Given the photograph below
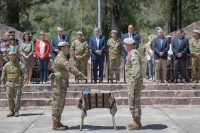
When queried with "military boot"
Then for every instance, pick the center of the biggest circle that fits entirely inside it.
(12, 113)
(57, 126)
(60, 124)
(135, 125)
(17, 114)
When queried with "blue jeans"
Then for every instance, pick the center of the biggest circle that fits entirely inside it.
(43, 69)
(150, 68)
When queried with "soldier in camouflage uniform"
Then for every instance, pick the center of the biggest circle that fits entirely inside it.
(134, 82)
(114, 50)
(12, 78)
(79, 51)
(194, 46)
(59, 82)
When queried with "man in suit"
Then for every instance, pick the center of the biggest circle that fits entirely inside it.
(180, 50)
(133, 35)
(97, 45)
(160, 48)
(54, 42)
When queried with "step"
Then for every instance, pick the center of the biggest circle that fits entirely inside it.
(104, 86)
(120, 101)
(120, 93)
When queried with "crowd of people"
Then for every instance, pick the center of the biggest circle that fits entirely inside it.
(170, 58)
(160, 53)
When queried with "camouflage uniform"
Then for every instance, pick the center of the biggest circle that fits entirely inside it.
(194, 46)
(12, 78)
(59, 82)
(80, 49)
(114, 49)
(134, 82)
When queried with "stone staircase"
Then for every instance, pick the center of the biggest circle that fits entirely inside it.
(152, 94)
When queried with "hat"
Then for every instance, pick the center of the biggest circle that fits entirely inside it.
(168, 36)
(12, 32)
(79, 33)
(113, 31)
(63, 43)
(42, 33)
(129, 41)
(11, 53)
(197, 31)
(59, 29)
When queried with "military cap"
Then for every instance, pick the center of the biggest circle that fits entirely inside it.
(59, 29)
(129, 41)
(42, 33)
(113, 31)
(79, 33)
(12, 33)
(63, 43)
(197, 31)
(168, 36)
(11, 53)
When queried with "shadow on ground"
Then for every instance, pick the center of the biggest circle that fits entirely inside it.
(31, 114)
(155, 127)
(90, 127)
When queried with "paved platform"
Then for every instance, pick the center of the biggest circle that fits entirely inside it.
(155, 119)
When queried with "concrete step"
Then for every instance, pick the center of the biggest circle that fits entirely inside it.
(120, 93)
(112, 87)
(120, 101)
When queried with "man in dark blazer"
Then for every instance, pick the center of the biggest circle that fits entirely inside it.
(97, 45)
(160, 48)
(180, 50)
(54, 42)
(133, 35)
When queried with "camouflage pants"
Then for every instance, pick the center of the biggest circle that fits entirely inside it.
(81, 66)
(196, 69)
(58, 102)
(114, 65)
(14, 96)
(134, 100)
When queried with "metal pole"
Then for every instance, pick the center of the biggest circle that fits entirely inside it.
(99, 14)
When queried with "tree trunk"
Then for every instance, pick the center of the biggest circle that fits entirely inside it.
(12, 16)
(179, 12)
(175, 15)
(115, 12)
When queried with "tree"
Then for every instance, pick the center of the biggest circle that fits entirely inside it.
(11, 10)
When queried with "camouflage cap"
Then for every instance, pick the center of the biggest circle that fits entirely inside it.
(42, 33)
(79, 33)
(59, 29)
(113, 31)
(63, 43)
(128, 41)
(12, 33)
(196, 31)
(11, 53)
(168, 36)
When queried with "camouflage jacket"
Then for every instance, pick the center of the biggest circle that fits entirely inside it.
(62, 68)
(12, 73)
(114, 48)
(133, 67)
(194, 46)
(80, 49)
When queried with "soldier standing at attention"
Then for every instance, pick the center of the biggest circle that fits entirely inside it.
(134, 82)
(59, 82)
(194, 46)
(12, 78)
(79, 51)
(114, 49)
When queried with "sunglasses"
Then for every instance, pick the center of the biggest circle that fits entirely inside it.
(11, 39)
